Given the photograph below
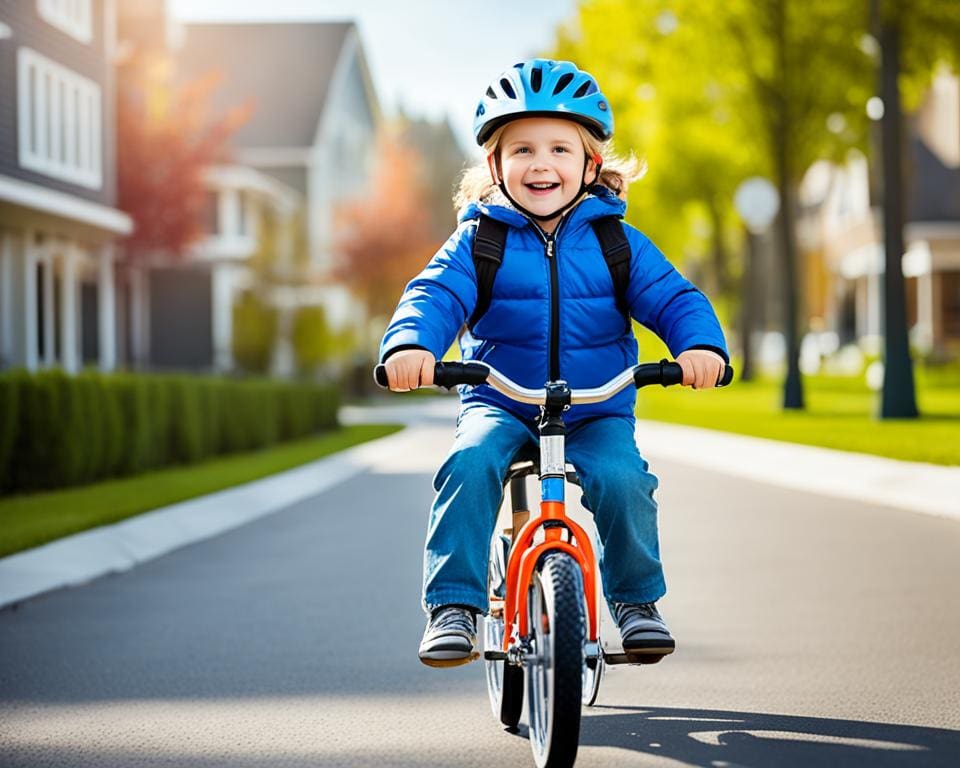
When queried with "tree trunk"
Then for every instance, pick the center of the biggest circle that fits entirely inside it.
(748, 309)
(793, 385)
(898, 398)
(719, 250)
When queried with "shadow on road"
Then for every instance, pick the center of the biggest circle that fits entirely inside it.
(750, 740)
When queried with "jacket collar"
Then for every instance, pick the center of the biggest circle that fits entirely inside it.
(599, 201)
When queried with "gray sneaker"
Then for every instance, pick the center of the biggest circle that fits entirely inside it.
(645, 636)
(450, 638)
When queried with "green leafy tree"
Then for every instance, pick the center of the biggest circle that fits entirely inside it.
(731, 89)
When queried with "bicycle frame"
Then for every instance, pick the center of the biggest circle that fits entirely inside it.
(553, 521)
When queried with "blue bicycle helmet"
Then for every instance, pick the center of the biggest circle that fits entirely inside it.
(543, 88)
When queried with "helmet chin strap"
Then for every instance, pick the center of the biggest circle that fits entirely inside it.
(560, 211)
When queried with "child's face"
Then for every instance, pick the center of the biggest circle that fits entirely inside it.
(542, 164)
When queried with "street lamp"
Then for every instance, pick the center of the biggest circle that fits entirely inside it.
(757, 202)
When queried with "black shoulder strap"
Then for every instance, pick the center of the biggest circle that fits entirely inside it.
(616, 252)
(488, 248)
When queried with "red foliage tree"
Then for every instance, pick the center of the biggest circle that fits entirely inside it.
(387, 235)
(166, 136)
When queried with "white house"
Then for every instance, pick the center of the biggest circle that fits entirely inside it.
(308, 145)
(58, 220)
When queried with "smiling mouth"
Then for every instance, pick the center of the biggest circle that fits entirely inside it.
(542, 186)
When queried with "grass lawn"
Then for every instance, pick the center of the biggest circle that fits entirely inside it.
(840, 414)
(29, 520)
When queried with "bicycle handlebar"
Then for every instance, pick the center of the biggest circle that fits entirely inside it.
(449, 375)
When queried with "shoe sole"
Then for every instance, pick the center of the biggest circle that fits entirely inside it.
(450, 662)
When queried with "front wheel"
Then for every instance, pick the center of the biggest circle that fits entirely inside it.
(555, 664)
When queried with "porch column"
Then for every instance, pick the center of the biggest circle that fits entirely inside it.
(69, 309)
(222, 320)
(31, 336)
(139, 317)
(106, 310)
(925, 308)
(6, 300)
(49, 306)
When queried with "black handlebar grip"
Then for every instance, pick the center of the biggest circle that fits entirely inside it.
(444, 374)
(451, 374)
(667, 374)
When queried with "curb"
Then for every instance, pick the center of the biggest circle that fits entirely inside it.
(79, 558)
(907, 485)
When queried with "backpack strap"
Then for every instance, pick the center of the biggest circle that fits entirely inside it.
(617, 254)
(488, 248)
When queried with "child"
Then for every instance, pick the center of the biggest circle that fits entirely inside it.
(545, 128)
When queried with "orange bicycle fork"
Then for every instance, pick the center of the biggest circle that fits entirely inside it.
(553, 521)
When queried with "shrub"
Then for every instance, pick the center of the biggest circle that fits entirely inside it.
(59, 430)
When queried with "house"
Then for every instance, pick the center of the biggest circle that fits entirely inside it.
(308, 145)
(58, 217)
(842, 236)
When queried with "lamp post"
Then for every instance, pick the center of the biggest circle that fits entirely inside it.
(757, 203)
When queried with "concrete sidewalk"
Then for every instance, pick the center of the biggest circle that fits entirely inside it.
(76, 559)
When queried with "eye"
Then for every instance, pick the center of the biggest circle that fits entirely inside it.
(521, 150)
(559, 148)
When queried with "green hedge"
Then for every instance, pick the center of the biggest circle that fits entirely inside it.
(58, 430)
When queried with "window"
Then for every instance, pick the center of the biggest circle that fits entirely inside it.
(59, 121)
(71, 16)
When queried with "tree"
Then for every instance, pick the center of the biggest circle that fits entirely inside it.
(759, 77)
(387, 236)
(166, 136)
(254, 331)
(913, 37)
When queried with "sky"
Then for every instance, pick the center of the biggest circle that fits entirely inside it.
(433, 57)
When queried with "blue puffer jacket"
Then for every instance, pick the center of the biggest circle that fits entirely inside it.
(592, 342)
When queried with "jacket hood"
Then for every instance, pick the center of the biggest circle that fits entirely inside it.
(599, 201)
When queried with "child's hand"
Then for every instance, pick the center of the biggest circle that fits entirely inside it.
(702, 368)
(409, 369)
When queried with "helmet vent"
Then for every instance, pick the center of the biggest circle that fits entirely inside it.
(507, 88)
(562, 83)
(491, 94)
(536, 79)
(584, 89)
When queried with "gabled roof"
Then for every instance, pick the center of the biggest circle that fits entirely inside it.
(284, 69)
(933, 188)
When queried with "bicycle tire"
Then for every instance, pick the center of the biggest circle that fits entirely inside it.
(591, 681)
(504, 681)
(555, 669)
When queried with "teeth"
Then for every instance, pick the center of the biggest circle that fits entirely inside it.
(543, 185)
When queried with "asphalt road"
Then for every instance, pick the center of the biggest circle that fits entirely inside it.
(810, 631)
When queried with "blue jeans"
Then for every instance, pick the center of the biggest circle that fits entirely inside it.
(617, 488)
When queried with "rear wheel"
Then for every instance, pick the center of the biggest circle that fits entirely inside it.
(504, 681)
(592, 674)
(556, 662)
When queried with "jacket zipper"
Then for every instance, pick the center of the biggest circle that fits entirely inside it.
(554, 310)
(549, 242)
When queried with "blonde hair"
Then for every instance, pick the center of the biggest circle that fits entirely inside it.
(616, 174)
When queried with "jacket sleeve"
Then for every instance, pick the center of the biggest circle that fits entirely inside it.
(667, 303)
(437, 302)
